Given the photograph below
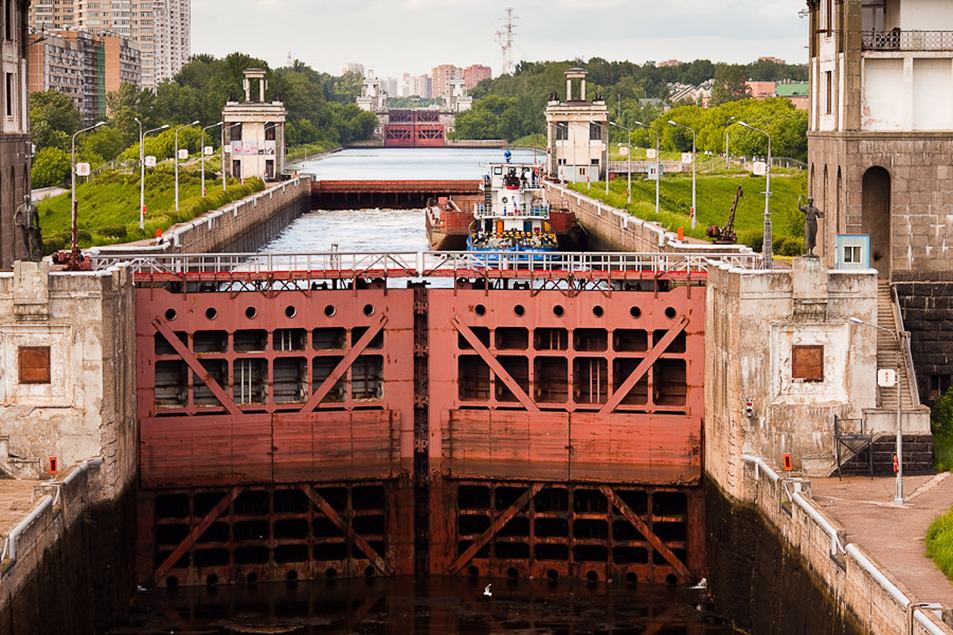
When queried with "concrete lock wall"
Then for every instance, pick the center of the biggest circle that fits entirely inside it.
(611, 229)
(82, 323)
(862, 596)
(750, 358)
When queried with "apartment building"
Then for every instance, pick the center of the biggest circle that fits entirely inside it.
(474, 74)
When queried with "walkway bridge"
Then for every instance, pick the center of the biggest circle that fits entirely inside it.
(355, 414)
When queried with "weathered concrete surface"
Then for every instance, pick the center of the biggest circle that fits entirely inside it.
(16, 501)
(893, 534)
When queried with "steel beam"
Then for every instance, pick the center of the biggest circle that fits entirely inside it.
(346, 527)
(498, 523)
(195, 534)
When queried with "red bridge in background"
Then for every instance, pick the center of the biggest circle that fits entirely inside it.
(414, 129)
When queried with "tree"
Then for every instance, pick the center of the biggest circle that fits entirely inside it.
(53, 117)
(51, 166)
(730, 84)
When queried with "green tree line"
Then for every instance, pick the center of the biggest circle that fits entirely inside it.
(513, 106)
(321, 108)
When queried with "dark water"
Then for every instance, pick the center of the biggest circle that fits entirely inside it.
(434, 606)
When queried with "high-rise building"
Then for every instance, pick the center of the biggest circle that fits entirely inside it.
(476, 73)
(84, 66)
(422, 86)
(160, 28)
(441, 79)
(15, 141)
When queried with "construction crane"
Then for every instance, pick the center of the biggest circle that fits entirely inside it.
(725, 235)
(505, 37)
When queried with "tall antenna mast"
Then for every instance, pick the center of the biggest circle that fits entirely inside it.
(505, 37)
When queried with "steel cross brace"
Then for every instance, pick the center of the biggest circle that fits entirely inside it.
(495, 526)
(343, 365)
(639, 524)
(196, 533)
(193, 362)
(495, 365)
(346, 527)
(643, 367)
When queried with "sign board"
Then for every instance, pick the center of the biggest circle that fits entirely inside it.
(686, 157)
(183, 154)
(624, 151)
(208, 150)
(150, 161)
(650, 153)
(886, 377)
(228, 149)
(760, 168)
(82, 169)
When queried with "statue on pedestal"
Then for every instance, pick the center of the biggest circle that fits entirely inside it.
(811, 214)
(27, 220)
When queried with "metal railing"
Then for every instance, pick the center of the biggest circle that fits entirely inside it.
(524, 211)
(899, 40)
(416, 264)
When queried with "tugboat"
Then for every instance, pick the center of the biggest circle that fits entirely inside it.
(513, 216)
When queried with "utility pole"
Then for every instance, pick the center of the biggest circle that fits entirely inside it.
(505, 37)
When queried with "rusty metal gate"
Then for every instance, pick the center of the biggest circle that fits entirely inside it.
(302, 424)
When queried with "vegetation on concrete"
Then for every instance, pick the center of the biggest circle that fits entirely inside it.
(941, 422)
(715, 195)
(108, 206)
(939, 542)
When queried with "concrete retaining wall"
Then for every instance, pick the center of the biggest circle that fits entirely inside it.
(878, 603)
(75, 559)
(611, 229)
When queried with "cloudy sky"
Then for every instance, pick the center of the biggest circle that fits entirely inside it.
(392, 37)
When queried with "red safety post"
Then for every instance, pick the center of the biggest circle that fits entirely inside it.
(681, 233)
(788, 464)
(895, 466)
(54, 468)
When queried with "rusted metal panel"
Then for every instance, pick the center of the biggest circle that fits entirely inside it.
(34, 363)
(220, 450)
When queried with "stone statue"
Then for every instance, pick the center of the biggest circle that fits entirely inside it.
(27, 219)
(811, 214)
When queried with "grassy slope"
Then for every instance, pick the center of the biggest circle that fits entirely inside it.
(111, 202)
(714, 196)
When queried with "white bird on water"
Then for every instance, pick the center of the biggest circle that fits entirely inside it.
(487, 591)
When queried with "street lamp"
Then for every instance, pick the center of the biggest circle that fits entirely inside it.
(658, 164)
(74, 247)
(897, 336)
(727, 124)
(176, 159)
(694, 209)
(629, 167)
(142, 172)
(766, 242)
(228, 127)
(202, 150)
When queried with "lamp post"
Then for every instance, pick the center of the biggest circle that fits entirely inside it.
(228, 127)
(202, 150)
(629, 167)
(897, 336)
(74, 257)
(694, 209)
(767, 241)
(727, 124)
(176, 159)
(658, 164)
(142, 172)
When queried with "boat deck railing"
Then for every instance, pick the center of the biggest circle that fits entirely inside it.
(531, 211)
(421, 264)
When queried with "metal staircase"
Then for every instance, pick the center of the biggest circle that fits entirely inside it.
(890, 355)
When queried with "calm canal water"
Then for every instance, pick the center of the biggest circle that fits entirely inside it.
(434, 605)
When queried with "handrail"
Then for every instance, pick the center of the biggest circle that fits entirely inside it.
(905, 352)
(759, 463)
(820, 520)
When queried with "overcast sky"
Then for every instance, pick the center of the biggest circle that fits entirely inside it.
(392, 37)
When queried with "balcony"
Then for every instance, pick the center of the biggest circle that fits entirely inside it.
(898, 40)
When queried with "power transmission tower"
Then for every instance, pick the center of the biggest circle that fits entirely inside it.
(505, 37)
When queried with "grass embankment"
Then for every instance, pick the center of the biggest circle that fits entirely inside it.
(715, 195)
(108, 206)
(940, 543)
